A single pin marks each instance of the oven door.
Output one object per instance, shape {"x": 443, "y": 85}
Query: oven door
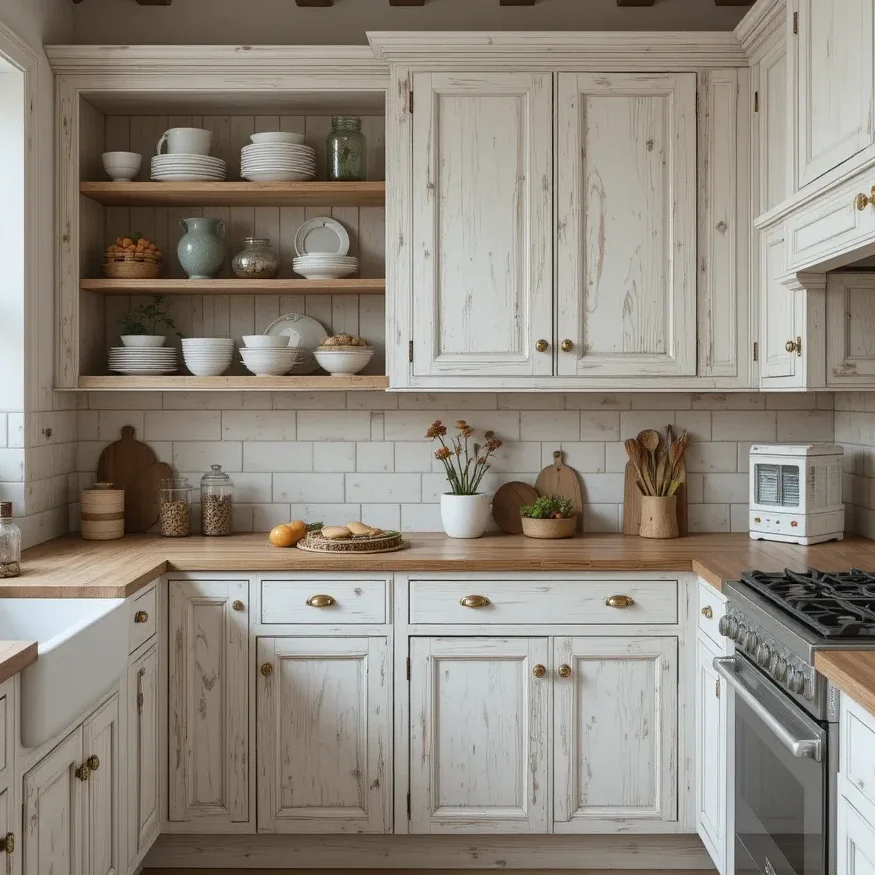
{"x": 781, "y": 780}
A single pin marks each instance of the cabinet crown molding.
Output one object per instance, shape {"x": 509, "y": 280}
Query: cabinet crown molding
{"x": 766, "y": 18}
{"x": 600, "y": 51}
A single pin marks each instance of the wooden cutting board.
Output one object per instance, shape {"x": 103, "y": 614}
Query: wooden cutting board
{"x": 559, "y": 479}
{"x": 123, "y": 463}
{"x": 142, "y": 505}
{"x": 631, "y": 502}
{"x": 506, "y": 504}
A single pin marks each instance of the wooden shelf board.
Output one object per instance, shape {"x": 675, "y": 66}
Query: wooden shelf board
{"x": 224, "y": 384}
{"x": 235, "y": 287}
{"x": 236, "y": 194}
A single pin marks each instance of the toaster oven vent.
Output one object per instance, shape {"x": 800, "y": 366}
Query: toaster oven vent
{"x": 777, "y": 485}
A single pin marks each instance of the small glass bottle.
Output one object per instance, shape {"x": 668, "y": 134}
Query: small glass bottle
{"x": 10, "y": 542}
{"x": 217, "y": 501}
{"x": 174, "y": 498}
{"x": 346, "y": 149}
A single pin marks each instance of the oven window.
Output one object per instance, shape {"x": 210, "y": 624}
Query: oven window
{"x": 777, "y": 485}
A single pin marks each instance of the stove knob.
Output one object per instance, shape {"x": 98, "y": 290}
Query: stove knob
{"x": 779, "y": 673}
{"x": 764, "y": 655}
{"x": 741, "y": 635}
{"x": 795, "y": 680}
{"x": 752, "y": 642}
{"x": 723, "y": 626}
{"x": 733, "y": 628}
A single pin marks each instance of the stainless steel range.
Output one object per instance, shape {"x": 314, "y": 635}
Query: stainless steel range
{"x": 785, "y": 728}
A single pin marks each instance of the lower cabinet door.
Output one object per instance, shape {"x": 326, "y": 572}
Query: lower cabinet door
{"x": 324, "y": 730}
{"x": 479, "y": 716}
{"x": 142, "y": 785}
{"x": 53, "y": 812}
{"x": 100, "y": 748}
{"x": 615, "y": 734}
{"x": 856, "y": 841}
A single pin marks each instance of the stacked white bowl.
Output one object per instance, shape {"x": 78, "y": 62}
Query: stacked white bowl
{"x": 122, "y": 166}
{"x": 277, "y": 156}
{"x": 269, "y": 356}
{"x": 207, "y": 356}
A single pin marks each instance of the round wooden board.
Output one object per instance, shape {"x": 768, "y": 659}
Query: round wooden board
{"x": 506, "y": 504}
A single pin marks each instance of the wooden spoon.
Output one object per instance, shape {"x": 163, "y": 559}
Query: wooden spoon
{"x": 649, "y": 440}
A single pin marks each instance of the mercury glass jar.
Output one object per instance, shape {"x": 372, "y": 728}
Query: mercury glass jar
{"x": 10, "y": 542}
{"x": 217, "y": 500}
{"x": 346, "y": 149}
{"x": 256, "y": 261}
{"x": 174, "y": 499}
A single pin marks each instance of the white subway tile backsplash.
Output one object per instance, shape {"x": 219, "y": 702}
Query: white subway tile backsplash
{"x": 709, "y": 517}
{"x": 806, "y": 426}
{"x": 375, "y": 457}
{"x": 332, "y": 425}
{"x": 382, "y": 516}
{"x": 282, "y": 456}
{"x": 601, "y": 518}
{"x": 182, "y": 425}
{"x": 744, "y": 425}
{"x": 309, "y": 400}
{"x": 421, "y": 518}
{"x": 266, "y": 516}
{"x": 457, "y": 401}
{"x": 258, "y": 425}
{"x": 334, "y": 456}
{"x": 633, "y": 422}
{"x": 308, "y": 488}
{"x": 725, "y": 488}
{"x": 409, "y": 425}
{"x": 588, "y": 457}
{"x": 384, "y": 488}
{"x": 111, "y": 422}
{"x": 600, "y": 425}
{"x": 329, "y": 514}
{"x": 602, "y": 488}
{"x": 729, "y": 401}
{"x": 199, "y": 455}
{"x": 712, "y": 457}
{"x": 416, "y": 456}
{"x": 587, "y": 401}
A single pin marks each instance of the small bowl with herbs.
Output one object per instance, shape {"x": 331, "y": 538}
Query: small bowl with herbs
{"x": 549, "y": 516}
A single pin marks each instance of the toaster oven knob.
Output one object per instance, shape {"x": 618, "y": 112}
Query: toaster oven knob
{"x": 764, "y": 655}
{"x": 795, "y": 681}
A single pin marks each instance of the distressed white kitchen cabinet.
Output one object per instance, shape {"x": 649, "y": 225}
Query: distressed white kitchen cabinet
{"x": 770, "y": 129}
{"x": 324, "y": 735}
{"x": 850, "y": 330}
{"x": 856, "y": 804}
{"x": 626, "y": 224}
{"x": 479, "y": 718}
{"x": 482, "y": 224}
{"x": 208, "y": 708}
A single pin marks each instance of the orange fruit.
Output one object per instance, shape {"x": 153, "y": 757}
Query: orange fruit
{"x": 282, "y": 536}
{"x": 298, "y": 529}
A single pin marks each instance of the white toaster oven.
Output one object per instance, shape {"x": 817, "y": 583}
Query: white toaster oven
{"x": 796, "y": 493}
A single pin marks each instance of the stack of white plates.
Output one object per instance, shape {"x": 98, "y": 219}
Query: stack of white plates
{"x": 322, "y": 245}
{"x": 277, "y": 162}
{"x": 143, "y": 360}
{"x": 322, "y": 265}
{"x": 207, "y": 356}
{"x": 188, "y": 168}
{"x": 265, "y": 362}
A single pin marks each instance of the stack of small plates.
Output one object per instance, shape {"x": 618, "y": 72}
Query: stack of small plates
{"x": 188, "y": 168}
{"x": 322, "y": 245}
{"x": 277, "y": 162}
{"x": 322, "y": 265}
{"x": 143, "y": 360}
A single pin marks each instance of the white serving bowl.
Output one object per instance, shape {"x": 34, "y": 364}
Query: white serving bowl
{"x": 266, "y": 341}
{"x": 343, "y": 362}
{"x": 277, "y": 137}
{"x": 121, "y": 166}
{"x": 208, "y": 370}
{"x": 202, "y": 344}
{"x": 324, "y": 272}
{"x": 141, "y": 340}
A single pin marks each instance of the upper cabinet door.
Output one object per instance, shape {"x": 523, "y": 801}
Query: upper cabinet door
{"x": 482, "y": 224}
{"x": 626, "y": 249}
{"x": 834, "y": 83}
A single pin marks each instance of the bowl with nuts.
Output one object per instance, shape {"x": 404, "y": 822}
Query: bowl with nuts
{"x": 343, "y": 354}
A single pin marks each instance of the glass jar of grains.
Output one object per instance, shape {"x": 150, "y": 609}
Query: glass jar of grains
{"x": 174, "y": 498}
{"x": 256, "y": 261}
{"x": 10, "y": 543}
{"x": 346, "y": 149}
{"x": 217, "y": 499}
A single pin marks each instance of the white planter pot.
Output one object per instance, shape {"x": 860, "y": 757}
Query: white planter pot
{"x": 148, "y": 340}
{"x": 465, "y": 516}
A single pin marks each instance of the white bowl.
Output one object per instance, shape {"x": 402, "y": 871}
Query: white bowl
{"x": 277, "y": 137}
{"x": 269, "y": 355}
{"x": 343, "y": 362}
{"x": 208, "y": 370}
{"x": 324, "y": 273}
{"x": 121, "y": 166}
{"x": 149, "y": 340}
{"x": 266, "y": 341}
{"x": 204, "y": 343}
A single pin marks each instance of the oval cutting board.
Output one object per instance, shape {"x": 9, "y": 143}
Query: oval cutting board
{"x": 559, "y": 479}
{"x": 142, "y": 503}
{"x": 506, "y": 504}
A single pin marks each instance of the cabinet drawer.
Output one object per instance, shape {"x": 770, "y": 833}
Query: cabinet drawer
{"x": 857, "y": 748}
{"x": 143, "y": 610}
{"x": 559, "y": 601}
{"x": 343, "y": 601}
{"x": 712, "y": 606}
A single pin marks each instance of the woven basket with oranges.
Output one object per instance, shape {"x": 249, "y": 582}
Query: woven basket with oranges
{"x": 133, "y": 257}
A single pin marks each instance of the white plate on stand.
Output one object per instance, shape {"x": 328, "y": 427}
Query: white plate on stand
{"x": 322, "y": 234}
{"x": 303, "y": 332}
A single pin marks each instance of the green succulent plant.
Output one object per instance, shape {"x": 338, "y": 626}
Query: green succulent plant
{"x": 549, "y": 507}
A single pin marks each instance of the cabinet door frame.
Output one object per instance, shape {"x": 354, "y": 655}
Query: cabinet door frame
{"x": 375, "y": 747}
{"x": 855, "y": 830}
{"x": 534, "y": 272}
{"x": 101, "y": 737}
{"x": 842, "y": 368}
{"x": 143, "y": 753}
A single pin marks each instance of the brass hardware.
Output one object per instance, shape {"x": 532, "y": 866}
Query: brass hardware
{"x": 7, "y": 843}
{"x": 410, "y": 351}
{"x": 140, "y": 675}
{"x": 542, "y": 345}
{"x": 564, "y": 671}
{"x": 474, "y": 601}
{"x": 237, "y": 605}
{"x": 141, "y": 617}
{"x": 793, "y": 524}
{"x": 539, "y": 671}
{"x": 321, "y": 601}
{"x": 756, "y": 519}
{"x": 619, "y": 601}
{"x": 756, "y": 351}
{"x": 861, "y": 201}
{"x": 93, "y": 763}
{"x": 567, "y": 345}
{"x": 707, "y": 612}
{"x": 267, "y": 669}
{"x": 83, "y": 772}
{"x": 790, "y": 346}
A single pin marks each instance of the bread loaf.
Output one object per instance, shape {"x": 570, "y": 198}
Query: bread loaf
{"x": 336, "y": 533}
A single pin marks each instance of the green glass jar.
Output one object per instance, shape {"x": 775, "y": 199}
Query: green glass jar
{"x": 346, "y": 149}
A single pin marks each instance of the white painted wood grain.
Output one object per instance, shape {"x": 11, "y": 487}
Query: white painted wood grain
{"x": 143, "y": 758}
{"x": 850, "y": 330}
{"x": 774, "y": 135}
{"x": 856, "y": 840}
{"x": 778, "y": 310}
{"x": 356, "y": 601}
{"x": 100, "y": 738}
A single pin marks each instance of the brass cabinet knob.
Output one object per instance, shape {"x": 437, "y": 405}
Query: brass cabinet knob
{"x": 321, "y": 601}
{"x": 542, "y": 345}
{"x": 707, "y": 612}
{"x": 93, "y": 763}
{"x": 539, "y": 671}
{"x": 141, "y": 617}
{"x": 567, "y": 345}
{"x": 267, "y": 669}
{"x": 564, "y": 670}
{"x": 237, "y": 605}
{"x": 861, "y": 201}
{"x": 7, "y": 843}
{"x": 619, "y": 601}
{"x": 474, "y": 601}
{"x": 83, "y": 772}
{"x": 794, "y": 346}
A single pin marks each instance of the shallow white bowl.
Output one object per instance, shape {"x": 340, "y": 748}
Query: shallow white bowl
{"x": 202, "y": 343}
{"x": 277, "y": 137}
{"x": 265, "y": 341}
{"x": 324, "y": 273}
{"x": 343, "y": 362}
{"x": 208, "y": 370}
{"x": 141, "y": 340}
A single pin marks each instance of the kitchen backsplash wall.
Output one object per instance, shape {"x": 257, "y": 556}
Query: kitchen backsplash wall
{"x": 342, "y": 456}
{"x": 855, "y": 431}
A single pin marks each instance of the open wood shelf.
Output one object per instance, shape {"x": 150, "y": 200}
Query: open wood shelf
{"x": 218, "y": 384}
{"x": 235, "y": 287}
{"x": 236, "y": 194}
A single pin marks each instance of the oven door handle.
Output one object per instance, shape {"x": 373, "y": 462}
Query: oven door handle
{"x": 809, "y": 748}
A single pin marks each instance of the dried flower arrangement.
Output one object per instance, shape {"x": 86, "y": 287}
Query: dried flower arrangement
{"x": 465, "y": 470}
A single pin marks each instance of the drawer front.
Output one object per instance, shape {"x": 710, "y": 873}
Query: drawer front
{"x": 563, "y": 601}
{"x": 323, "y": 601}
{"x": 712, "y": 606}
{"x": 857, "y": 749}
{"x": 143, "y": 619}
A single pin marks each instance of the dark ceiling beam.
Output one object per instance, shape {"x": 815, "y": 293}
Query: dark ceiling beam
{"x": 516, "y": 2}
{"x": 314, "y": 2}
{"x": 148, "y": 2}
{"x": 407, "y": 2}
{"x": 635, "y": 2}
{"x": 732, "y": 2}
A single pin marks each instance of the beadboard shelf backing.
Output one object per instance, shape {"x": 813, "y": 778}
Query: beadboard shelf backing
{"x": 236, "y": 194}
{"x": 223, "y": 384}
{"x": 236, "y": 287}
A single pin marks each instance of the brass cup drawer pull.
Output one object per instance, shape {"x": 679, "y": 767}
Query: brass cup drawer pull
{"x": 539, "y": 671}
{"x": 93, "y": 763}
{"x": 7, "y": 843}
{"x": 474, "y": 601}
{"x": 141, "y": 617}
{"x": 564, "y": 671}
{"x": 619, "y": 601}
{"x": 83, "y": 772}
{"x": 267, "y": 669}
{"x": 237, "y": 605}
{"x": 321, "y": 601}
{"x": 707, "y": 612}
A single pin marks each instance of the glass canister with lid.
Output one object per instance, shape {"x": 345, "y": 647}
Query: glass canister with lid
{"x": 175, "y": 503}
{"x": 217, "y": 501}
{"x": 346, "y": 149}
{"x": 10, "y": 542}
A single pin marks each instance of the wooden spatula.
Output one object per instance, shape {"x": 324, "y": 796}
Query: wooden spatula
{"x": 559, "y": 479}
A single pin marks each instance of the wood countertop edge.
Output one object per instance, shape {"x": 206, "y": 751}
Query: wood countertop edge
{"x": 15, "y": 656}
{"x": 852, "y": 671}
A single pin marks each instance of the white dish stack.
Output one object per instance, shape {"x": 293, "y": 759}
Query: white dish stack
{"x": 188, "y": 157}
{"x": 322, "y": 245}
{"x": 143, "y": 361}
{"x": 270, "y": 362}
{"x": 207, "y": 356}
{"x": 277, "y": 156}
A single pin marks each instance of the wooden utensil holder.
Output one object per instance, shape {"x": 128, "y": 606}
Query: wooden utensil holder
{"x": 659, "y": 516}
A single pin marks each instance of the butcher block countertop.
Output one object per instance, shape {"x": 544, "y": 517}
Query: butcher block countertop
{"x": 852, "y": 671}
{"x": 15, "y": 656}
{"x": 71, "y": 567}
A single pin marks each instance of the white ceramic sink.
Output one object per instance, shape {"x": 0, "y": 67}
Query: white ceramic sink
{"x": 83, "y": 648}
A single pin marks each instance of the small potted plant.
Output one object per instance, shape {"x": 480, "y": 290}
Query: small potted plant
{"x": 464, "y": 510}
{"x": 140, "y": 325}
{"x": 551, "y": 516}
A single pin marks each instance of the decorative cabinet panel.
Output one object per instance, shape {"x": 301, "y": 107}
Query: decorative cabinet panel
{"x": 626, "y": 241}
{"x": 771, "y": 132}
{"x": 100, "y": 744}
{"x": 850, "y": 330}
{"x": 482, "y": 224}
{"x": 143, "y": 758}
{"x": 856, "y": 841}
{"x": 834, "y": 83}
{"x": 479, "y": 717}
{"x": 208, "y": 711}
{"x": 615, "y": 734}
{"x": 324, "y": 735}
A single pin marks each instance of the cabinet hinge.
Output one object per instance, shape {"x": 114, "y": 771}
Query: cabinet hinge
{"x": 717, "y": 688}
{"x": 795, "y": 24}
{"x": 140, "y": 675}
{"x": 697, "y": 103}
{"x": 410, "y": 351}
{"x": 408, "y": 668}
{"x": 756, "y": 101}
{"x": 139, "y": 703}
{"x": 756, "y": 351}
{"x": 408, "y": 806}
{"x": 410, "y": 101}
